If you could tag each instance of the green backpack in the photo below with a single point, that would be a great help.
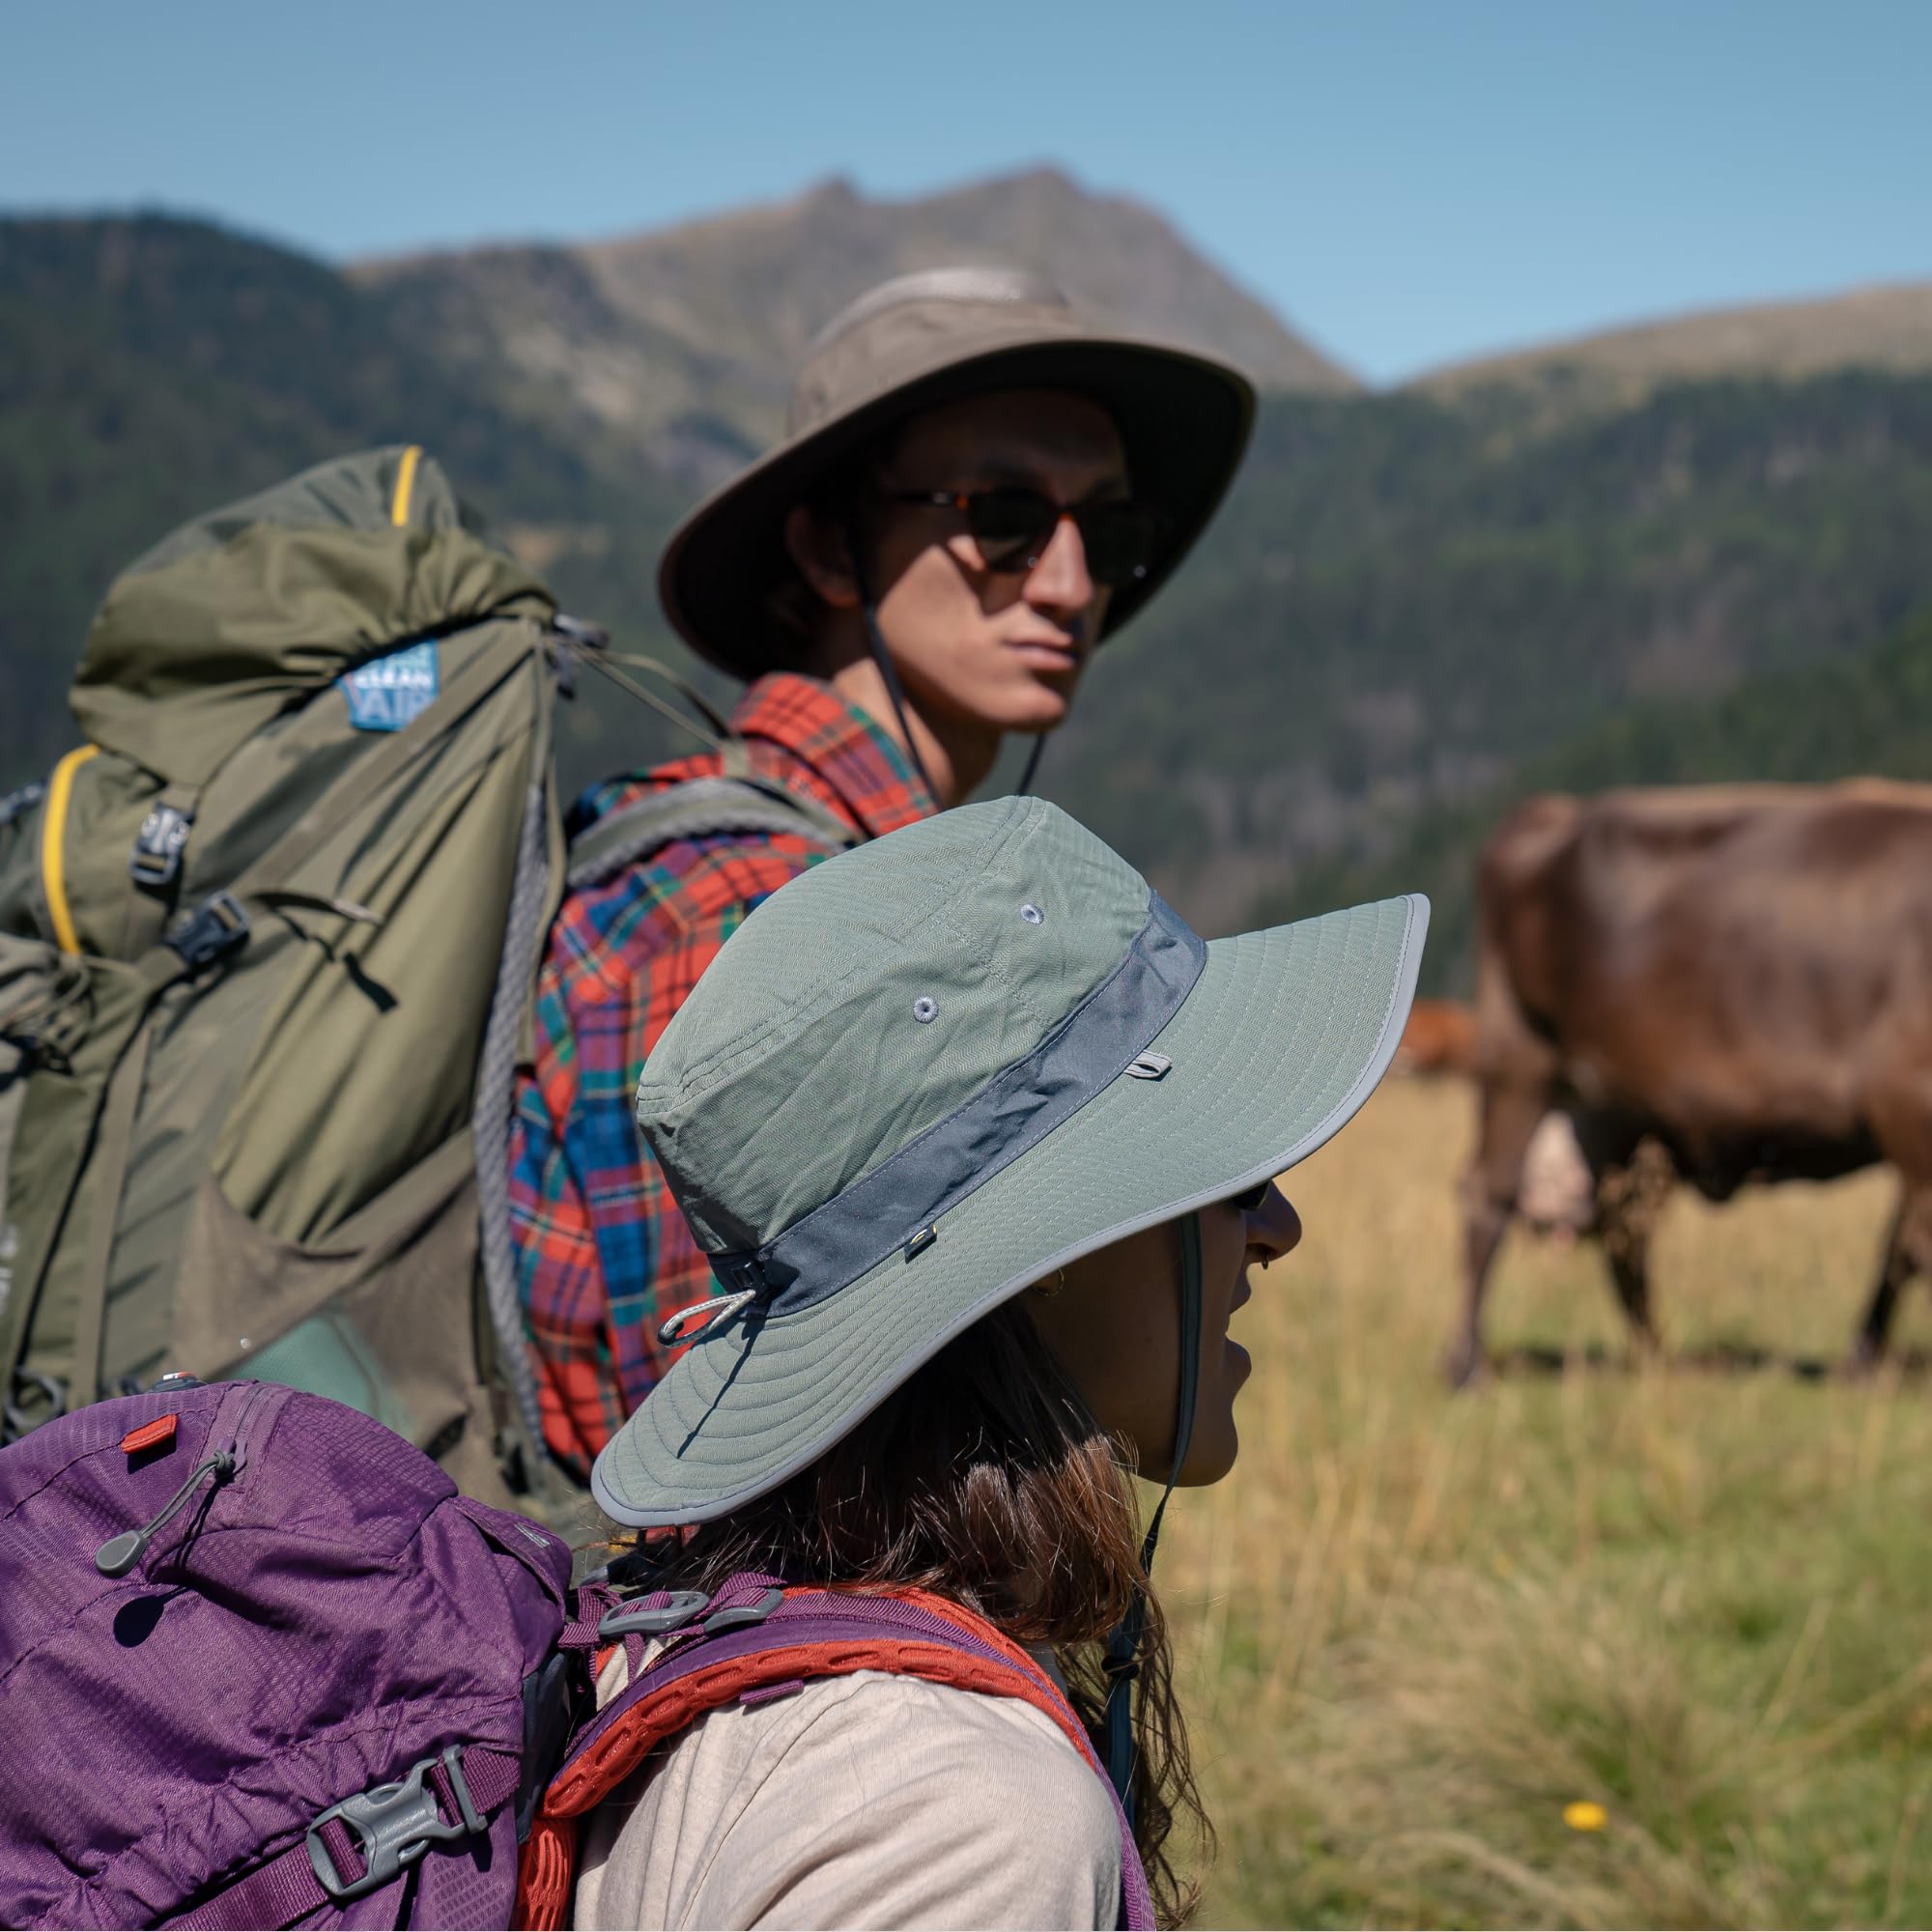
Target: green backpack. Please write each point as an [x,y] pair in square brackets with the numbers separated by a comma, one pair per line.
[268,942]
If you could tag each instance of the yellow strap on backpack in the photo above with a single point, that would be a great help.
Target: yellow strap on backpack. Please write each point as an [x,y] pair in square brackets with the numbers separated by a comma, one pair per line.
[53,831]
[406,484]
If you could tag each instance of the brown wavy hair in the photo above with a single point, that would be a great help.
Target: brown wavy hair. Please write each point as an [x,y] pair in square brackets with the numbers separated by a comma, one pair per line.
[986,1479]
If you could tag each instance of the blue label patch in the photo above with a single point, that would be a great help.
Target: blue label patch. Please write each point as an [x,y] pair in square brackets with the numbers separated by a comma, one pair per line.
[385,694]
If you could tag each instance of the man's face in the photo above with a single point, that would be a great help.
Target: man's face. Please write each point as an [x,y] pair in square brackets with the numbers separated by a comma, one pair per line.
[1000,648]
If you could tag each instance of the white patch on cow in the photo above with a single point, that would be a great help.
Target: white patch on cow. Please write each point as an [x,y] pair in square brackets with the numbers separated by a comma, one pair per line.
[1555,1193]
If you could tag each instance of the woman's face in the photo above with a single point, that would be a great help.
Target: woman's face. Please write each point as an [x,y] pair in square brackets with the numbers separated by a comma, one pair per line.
[1115,1325]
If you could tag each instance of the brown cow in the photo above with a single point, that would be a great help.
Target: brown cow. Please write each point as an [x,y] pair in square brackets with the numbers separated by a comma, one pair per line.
[1440,1037]
[1730,984]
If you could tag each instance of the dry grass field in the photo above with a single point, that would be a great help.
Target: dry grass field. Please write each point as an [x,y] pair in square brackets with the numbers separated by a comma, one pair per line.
[1419,1631]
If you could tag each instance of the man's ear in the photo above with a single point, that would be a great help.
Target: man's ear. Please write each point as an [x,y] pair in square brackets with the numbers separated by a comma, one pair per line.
[823,559]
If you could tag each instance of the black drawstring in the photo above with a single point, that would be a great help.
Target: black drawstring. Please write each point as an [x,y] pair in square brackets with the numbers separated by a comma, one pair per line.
[876,642]
[1123,1663]
[883,658]
[1025,784]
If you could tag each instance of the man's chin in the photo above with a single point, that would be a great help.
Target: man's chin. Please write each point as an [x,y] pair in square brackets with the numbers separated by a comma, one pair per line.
[1023,705]
[1036,719]
[1038,702]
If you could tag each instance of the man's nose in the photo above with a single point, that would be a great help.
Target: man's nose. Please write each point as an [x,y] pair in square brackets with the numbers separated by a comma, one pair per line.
[1060,581]
[1274,1228]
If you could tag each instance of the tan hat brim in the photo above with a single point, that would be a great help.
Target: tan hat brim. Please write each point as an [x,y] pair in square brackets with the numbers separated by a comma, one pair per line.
[1184,421]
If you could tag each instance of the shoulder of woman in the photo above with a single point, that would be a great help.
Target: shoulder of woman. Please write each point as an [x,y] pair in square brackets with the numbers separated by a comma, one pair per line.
[877,1799]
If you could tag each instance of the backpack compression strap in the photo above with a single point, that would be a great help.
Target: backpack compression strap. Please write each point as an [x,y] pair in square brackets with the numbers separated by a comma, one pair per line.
[755,1635]
[698,808]
[365,1842]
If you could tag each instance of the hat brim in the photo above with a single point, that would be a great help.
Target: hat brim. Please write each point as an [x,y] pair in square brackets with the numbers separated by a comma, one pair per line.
[1184,419]
[1280,1042]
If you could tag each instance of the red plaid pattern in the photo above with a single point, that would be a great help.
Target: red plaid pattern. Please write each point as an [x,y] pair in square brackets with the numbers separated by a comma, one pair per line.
[603,1253]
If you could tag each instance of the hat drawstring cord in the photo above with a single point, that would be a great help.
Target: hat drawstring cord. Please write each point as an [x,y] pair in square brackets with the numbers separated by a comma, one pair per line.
[883,658]
[715,1308]
[1025,784]
[1122,1664]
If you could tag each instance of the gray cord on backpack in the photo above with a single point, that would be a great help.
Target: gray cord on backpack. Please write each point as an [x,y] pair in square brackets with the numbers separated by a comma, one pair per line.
[490,1120]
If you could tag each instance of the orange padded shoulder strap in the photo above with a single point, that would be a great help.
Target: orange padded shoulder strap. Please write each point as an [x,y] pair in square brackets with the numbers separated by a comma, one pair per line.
[549,1859]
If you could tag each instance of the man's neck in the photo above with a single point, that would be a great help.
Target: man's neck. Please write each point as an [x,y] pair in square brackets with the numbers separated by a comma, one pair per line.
[956,756]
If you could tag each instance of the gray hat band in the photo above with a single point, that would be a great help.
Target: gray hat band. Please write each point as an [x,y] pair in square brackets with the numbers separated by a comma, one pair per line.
[899,1204]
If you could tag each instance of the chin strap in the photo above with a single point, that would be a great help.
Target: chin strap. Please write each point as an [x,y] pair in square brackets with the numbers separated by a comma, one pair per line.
[875,642]
[883,658]
[1123,1646]
[1025,784]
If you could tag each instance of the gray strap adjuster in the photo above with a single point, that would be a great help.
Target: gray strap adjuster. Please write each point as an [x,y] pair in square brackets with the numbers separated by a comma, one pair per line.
[393,1825]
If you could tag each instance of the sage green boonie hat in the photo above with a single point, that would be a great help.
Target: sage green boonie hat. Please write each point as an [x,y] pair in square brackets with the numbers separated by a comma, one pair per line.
[931,1070]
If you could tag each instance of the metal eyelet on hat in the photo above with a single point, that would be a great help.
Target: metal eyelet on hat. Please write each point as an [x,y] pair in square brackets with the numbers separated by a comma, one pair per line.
[925,1010]
[1031,913]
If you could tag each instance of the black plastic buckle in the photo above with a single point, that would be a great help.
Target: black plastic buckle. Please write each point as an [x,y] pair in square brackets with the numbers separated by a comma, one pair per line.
[393,1825]
[218,927]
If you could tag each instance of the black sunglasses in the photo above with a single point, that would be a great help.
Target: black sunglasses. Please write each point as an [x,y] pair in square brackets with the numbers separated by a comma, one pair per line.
[1250,1199]
[1012,527]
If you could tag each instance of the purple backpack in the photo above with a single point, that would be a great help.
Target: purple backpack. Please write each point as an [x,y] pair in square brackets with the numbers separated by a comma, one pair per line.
[262,1666]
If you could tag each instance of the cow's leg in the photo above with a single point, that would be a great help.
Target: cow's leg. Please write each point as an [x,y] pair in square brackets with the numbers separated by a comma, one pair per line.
[1630,1196]
[1627,1250]
[1900,1111]
[1509,1118]
[1908,1251]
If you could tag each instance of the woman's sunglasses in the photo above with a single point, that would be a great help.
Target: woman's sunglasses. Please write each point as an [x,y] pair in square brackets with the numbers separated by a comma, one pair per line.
[1250,1199]
[1013,526]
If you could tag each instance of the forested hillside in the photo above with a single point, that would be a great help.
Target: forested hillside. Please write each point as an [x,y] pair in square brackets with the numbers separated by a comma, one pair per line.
[151,368]
[1407,596]
[1869,712]
[1414,604]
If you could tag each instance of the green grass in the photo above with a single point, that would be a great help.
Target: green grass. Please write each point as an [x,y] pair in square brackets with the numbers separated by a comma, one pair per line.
[1414,1627]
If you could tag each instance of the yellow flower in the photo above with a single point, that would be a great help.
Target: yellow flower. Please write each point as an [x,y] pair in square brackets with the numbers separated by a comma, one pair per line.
[1585,1816]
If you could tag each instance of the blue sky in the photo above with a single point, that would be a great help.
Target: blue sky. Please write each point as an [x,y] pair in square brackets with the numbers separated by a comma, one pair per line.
[1409,183]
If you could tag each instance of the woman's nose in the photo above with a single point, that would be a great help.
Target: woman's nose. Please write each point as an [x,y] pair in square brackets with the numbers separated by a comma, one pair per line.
[1274,1227]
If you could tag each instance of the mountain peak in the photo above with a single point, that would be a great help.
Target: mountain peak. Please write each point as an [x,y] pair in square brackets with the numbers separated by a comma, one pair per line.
[710,318]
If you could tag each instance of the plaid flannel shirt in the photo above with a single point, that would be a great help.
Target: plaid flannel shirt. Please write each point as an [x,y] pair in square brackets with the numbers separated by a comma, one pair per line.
[603,1253]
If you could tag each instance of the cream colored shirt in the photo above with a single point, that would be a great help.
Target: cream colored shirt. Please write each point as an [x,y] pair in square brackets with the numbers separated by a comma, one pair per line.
[861,1801]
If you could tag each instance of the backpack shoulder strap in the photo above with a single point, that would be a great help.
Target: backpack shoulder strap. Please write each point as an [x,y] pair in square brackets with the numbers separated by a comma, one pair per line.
[755,1634]
[698,808]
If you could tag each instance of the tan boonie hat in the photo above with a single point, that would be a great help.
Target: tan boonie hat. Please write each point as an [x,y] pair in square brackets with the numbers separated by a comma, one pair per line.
[912,345]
